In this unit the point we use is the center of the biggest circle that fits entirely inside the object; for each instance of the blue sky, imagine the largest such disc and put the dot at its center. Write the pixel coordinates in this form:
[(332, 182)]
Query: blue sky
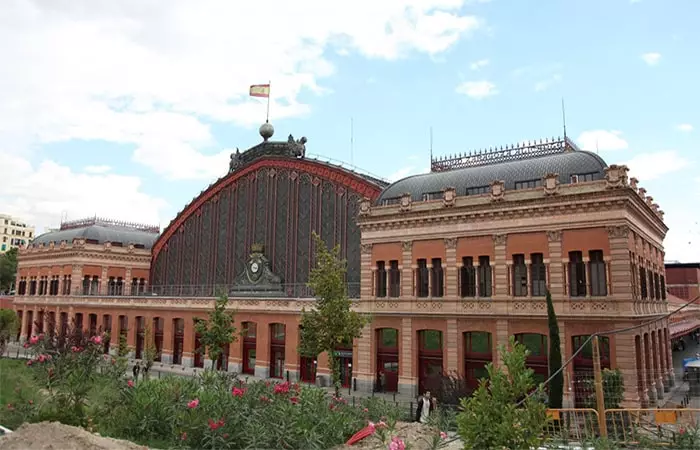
[(128, 109)]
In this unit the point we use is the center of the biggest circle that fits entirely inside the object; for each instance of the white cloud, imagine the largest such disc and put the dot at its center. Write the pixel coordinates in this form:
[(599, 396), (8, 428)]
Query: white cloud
[(404, 172), (97, 169), (651, 58), (41, 195), (131, 72), (602, 140), (650, 166), (477, 89), (684, 127), (547, 83), (476, 65)]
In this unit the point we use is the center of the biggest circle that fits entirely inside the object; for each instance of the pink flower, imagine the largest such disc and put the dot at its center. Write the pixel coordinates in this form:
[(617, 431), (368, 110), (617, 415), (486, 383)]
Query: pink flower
[(225, 436), (282, 388), (130, 383), (75, 349), (238, 392), (294, 400), (193, 404), (265, 399), (397, 444), (382, 424), (31, 402), (443, 435), (213, 425), (33, 340), (41, 335), (26, 345), (97, 339), (184, 436), (9, 406), (371, 425), (29, 363), (42, 358)]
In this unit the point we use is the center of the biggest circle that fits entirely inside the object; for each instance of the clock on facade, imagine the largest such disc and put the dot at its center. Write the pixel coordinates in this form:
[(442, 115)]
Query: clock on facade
[(254, 267)]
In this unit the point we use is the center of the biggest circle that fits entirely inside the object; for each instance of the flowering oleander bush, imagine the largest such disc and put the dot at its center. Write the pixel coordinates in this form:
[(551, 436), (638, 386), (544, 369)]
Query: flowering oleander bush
[(216, 412)]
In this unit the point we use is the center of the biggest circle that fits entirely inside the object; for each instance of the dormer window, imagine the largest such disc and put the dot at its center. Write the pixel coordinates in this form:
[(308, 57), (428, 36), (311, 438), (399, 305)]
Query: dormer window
[(428, 196), (529, 184), (479, 190), (582, 177), (391, 201)]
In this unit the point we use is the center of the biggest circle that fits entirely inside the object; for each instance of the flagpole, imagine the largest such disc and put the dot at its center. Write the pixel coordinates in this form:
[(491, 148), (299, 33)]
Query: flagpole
[(269, 91)]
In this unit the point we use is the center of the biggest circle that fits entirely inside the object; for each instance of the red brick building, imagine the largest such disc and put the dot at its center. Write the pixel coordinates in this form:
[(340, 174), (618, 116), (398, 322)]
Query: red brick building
[(449, 264)]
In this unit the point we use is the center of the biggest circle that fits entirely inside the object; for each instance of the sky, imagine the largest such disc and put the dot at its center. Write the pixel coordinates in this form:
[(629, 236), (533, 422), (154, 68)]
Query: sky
[(128, 109)]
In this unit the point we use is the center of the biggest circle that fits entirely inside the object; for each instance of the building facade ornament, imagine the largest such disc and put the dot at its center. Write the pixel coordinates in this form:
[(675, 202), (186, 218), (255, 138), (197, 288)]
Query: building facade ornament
[(500, 239), (642, 193), (449, 195), (551, 184), (554, 235), (406, 202), (407, 246), (366, 249), (451, 243), (633, 183), (498, 190), (618, 231), (616, 176), (365, 206)]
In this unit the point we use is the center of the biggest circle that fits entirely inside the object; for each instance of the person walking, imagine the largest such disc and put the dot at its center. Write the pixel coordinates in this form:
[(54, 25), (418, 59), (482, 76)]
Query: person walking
[(425, 407), (135, 371)]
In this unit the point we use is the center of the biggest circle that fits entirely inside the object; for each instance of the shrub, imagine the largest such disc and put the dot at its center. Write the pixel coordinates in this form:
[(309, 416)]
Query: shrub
[(496, 416)]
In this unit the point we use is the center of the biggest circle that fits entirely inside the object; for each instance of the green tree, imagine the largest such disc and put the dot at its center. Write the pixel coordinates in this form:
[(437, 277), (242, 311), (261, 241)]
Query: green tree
[(216, 332), (8, 269), (123, 349), (556, 384), (9, 323), (496, 416), (150, 352), (331, 322)]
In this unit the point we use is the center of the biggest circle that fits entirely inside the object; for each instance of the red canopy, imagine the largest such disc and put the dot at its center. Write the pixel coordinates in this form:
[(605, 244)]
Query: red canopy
[(682, 328)]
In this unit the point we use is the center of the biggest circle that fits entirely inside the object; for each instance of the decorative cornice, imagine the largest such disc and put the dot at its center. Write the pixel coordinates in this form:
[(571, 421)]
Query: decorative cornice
[(451, 243), (618, 231), (500, 239), (366, 249), (407, 246)]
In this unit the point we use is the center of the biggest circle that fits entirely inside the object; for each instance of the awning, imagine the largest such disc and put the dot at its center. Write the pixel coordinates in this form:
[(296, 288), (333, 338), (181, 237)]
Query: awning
[(682, 328)]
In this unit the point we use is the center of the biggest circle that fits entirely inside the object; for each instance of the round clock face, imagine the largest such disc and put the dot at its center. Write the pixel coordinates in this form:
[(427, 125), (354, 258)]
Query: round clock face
[(254, 267)]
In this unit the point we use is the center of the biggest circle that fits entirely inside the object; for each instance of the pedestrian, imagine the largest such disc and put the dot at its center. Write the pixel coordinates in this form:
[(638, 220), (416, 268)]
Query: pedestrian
[(382, 381), (424, 408), (135, 371)]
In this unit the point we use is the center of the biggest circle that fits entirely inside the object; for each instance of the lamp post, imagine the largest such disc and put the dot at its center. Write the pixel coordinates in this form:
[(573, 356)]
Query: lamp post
[(349, 378)]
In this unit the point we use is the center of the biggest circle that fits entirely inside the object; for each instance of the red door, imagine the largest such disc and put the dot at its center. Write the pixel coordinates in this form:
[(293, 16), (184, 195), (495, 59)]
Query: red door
[(249, 356), (389, 363), (430, 369), (307, 368)]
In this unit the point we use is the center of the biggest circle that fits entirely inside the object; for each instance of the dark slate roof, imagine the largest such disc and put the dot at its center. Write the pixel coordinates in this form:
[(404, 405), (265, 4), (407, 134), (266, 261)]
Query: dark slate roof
[(571, 162), (100, 232)]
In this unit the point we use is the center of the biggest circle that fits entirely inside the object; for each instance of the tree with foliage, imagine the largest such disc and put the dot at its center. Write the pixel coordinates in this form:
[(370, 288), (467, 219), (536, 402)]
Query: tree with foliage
[(496, 416), (216, 332), (150, 352), (123, 349), (556, 384), (8, 269), (9, 323), (331, 322)]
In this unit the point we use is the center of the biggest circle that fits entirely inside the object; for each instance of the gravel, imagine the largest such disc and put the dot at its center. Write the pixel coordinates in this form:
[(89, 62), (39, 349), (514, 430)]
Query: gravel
[(56, 436)]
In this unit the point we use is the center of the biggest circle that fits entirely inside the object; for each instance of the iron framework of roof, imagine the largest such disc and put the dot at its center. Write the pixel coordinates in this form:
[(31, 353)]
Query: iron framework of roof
[(495, 155), (90, 221)]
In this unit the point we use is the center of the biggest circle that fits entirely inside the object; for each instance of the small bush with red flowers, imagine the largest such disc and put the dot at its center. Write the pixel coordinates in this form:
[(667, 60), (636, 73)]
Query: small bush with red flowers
[(68, 369), (217, 412)]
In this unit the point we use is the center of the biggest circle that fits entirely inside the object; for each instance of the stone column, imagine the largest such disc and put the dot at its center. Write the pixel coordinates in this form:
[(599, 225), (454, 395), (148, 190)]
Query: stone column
[(127, 282), (114, 336), (188, 342), (649, 370), (555, 270), (587, 271), (407, 379), (77, 279), (528, 266), (23, 326), (407, 269), (451, 271), (430, 280), (375, 281), (658, 373), (670, 375), (500, 269), (452, 344), (568, 401), (104, 282), (166, 356), (362, 368), (620, 276), (502, 336), (663, 358), (626, 362)]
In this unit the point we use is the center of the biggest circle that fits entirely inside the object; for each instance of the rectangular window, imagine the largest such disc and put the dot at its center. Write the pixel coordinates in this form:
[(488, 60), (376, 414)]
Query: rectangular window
[(663, 287), (391, 201), (650, 289), (380, 279), (394, 279), (484, 277), (438, 280), (657, 287), (599, 283), (577, 275), (529, 184), (422, 278), (643, 281), (519, 276), (479, 190), (428, 196), (538, 275), (468, 278)]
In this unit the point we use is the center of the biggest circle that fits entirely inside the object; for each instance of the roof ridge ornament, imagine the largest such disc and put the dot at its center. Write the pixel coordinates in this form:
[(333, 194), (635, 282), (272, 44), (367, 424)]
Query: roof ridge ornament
[(514, 152)]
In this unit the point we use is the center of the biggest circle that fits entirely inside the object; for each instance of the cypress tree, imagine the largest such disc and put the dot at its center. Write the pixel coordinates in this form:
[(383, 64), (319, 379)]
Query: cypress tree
[(556, 385)]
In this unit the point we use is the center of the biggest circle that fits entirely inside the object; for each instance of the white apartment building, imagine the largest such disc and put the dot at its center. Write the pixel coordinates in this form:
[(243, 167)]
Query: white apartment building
[(14, 233)]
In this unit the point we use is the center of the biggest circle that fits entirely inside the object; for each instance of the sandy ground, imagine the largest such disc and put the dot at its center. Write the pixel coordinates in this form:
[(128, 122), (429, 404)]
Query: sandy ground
[(418, 436), (56, 436)]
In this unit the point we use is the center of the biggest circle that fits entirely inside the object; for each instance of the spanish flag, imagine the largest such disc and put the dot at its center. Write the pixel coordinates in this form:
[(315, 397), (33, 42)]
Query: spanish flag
[(260, 90)]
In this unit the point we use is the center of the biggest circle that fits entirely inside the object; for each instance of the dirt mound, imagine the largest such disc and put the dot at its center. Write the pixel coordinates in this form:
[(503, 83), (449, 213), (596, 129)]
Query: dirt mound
[(415, 434), (56, 436)]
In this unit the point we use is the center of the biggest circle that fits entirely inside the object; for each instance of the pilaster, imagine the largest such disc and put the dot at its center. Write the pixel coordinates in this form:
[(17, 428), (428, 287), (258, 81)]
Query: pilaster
[(501, 340), (452, 344), (407, 269), (620, 274), (500, 266), (626, 362), (407, 380), (367, 284), (364, 360), (555, 269), (451, 275)]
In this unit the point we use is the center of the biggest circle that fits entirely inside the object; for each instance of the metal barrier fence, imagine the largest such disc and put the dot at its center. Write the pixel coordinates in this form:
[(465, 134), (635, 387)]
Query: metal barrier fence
[(634, 427)]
